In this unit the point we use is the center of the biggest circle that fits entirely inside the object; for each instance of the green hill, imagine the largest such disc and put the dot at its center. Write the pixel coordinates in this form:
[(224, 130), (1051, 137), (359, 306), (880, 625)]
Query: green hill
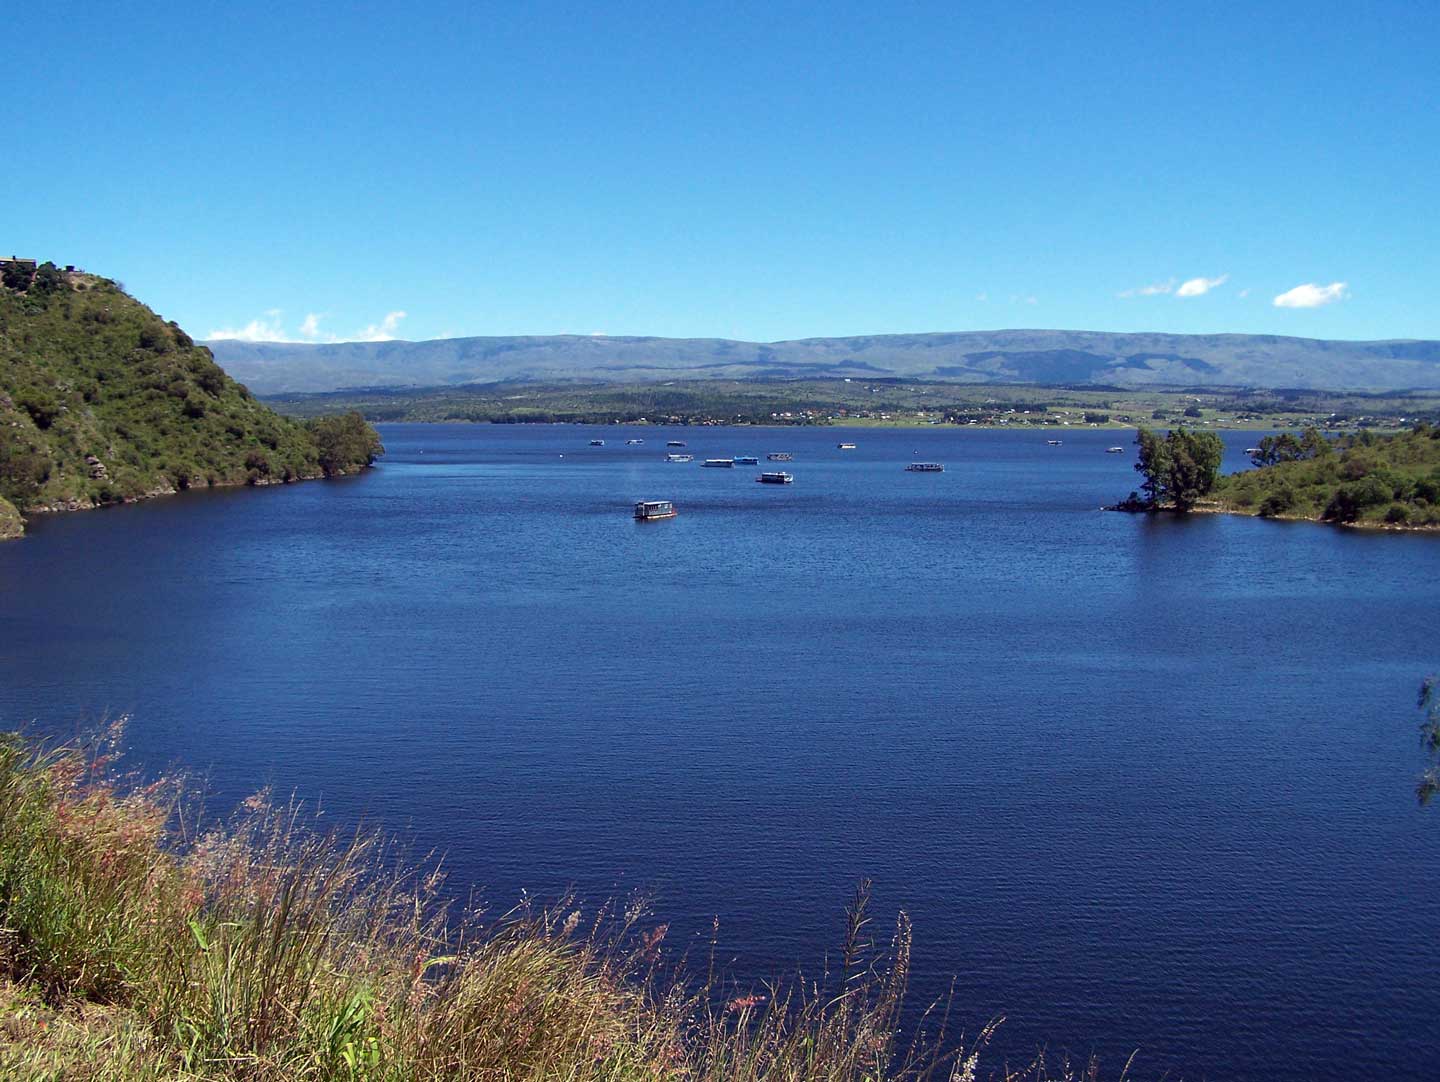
[(102, 401), (1362, 478)]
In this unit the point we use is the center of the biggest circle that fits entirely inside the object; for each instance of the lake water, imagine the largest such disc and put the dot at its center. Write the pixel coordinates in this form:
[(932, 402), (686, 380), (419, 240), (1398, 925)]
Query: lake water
[(1141, 783)]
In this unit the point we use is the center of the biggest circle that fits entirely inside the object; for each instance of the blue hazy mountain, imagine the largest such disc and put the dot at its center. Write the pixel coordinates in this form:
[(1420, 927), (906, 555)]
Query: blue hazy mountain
[(1008, 356)]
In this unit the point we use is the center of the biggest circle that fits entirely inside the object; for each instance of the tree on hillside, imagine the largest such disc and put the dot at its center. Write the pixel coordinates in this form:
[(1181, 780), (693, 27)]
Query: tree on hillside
[(1179, 469)]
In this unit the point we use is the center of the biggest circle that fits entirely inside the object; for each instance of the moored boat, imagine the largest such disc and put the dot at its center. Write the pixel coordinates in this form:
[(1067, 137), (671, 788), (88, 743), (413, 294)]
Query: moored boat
[(650, 510), (632, 443), (1114, 450), (597, 443), (777, 477), (846, 446), (1053, 443), (719, 463), (675, 443), (780, 456), (679, 458), (746, 460), (925, 467)]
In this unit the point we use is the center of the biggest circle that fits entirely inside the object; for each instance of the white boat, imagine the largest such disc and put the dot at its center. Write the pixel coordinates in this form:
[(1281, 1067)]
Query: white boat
[(597, 443), (650, 510), (675, 443), (1114, 450), (925, 467), (632, 443), (775, 478), (719, 463), (679, 458), (846, 446), (1053, 443), (780, 456)]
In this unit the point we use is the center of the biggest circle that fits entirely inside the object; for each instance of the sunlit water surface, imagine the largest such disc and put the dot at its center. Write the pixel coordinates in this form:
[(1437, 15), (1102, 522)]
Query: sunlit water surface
[(1141, 783)]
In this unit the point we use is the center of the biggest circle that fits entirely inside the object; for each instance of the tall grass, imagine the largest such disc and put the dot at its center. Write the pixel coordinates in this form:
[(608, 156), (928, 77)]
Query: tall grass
[(134, 947)]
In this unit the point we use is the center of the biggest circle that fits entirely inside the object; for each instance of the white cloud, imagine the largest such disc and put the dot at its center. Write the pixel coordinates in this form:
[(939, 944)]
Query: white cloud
[(271, 328), (1311, 295), (257, 330), (384, 331), (1198, 287), (1243, 293), (982, 297), (1016, 298), (1151, 290)]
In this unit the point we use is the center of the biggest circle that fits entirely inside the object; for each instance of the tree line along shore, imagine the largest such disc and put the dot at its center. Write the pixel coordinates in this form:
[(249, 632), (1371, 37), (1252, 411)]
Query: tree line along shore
[(1362, 479)]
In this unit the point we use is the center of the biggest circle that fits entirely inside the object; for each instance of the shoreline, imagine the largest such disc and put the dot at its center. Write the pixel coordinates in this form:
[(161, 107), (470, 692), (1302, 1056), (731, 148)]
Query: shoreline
[(1212, 509), (69, 506)]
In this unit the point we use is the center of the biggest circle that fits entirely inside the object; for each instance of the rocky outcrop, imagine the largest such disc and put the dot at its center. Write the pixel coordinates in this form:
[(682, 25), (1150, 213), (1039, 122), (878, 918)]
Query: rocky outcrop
[(11, 524)]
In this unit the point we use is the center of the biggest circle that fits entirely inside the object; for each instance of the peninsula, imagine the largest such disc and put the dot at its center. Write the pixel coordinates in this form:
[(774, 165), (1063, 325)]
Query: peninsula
[(102, 401)]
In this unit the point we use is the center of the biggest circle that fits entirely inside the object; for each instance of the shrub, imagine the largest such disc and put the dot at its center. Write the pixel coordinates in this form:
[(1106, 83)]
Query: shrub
[(1280, 502), (1397, 513)]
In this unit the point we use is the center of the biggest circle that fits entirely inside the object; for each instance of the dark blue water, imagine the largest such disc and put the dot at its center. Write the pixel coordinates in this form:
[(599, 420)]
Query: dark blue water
[(1141, 783)]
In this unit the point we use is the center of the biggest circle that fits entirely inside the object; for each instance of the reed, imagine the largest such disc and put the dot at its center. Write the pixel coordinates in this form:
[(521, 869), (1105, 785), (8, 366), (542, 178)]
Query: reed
[(134, 946)]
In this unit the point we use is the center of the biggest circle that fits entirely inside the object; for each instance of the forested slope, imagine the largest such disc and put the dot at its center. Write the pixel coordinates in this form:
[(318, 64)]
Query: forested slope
[(102, 401)]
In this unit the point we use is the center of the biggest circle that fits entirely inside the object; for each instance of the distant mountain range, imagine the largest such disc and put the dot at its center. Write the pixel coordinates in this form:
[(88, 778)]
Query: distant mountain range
[(1013, 356)]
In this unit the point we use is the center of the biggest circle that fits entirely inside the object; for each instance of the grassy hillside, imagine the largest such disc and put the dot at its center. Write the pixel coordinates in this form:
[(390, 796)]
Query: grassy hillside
[(102, 401), (132, 950), (1361, 478)]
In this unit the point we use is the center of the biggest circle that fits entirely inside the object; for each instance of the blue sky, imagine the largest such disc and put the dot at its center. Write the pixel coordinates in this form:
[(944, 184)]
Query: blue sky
[(760, 171)]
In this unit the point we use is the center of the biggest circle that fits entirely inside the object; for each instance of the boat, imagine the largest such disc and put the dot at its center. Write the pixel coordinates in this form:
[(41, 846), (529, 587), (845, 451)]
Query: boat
[(679, 458), (1114, 450), (925, 467), (775, 478), (746, 460), (1252, 450), (632, 443), (675, 443), (780, 456), (597, 443), (650, 510), (1053, 443), (846, 446), (719, 463)]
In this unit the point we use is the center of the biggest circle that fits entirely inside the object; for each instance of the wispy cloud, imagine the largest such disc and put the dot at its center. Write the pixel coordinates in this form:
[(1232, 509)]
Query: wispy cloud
[(1022, 298), (1198, 287), (257, 330), (384, 331), (1311, 295), (982, 297), (1243, 293), (1154, 289), (271, 328)]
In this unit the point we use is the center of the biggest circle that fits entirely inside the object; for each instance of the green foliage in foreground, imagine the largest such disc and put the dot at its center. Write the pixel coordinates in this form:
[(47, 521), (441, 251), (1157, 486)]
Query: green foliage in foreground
[(134, 950), (1361, 478), (103, 401)]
